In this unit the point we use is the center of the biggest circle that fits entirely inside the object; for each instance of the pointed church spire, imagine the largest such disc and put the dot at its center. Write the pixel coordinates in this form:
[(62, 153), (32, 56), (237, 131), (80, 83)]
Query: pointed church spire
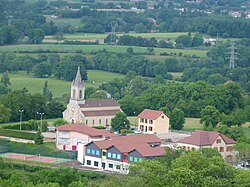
[(78, 79)]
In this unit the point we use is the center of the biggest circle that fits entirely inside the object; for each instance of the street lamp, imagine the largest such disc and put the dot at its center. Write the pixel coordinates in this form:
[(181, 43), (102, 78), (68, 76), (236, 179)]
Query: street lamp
[(21, 115), (41, 114)]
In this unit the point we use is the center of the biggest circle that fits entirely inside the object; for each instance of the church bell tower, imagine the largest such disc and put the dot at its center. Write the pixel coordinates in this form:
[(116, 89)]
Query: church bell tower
[(77, 89)]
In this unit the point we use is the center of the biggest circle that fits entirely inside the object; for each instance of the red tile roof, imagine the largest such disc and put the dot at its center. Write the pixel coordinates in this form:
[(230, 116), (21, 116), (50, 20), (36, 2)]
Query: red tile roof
[(85, 130), (99, 103), (126, 144), (205, 138), (100, 113), (150, 114)]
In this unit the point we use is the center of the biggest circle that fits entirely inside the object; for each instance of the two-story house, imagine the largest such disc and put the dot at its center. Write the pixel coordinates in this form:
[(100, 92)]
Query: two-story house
[(153, 122), (209, 139), (70, 135), (118, 153)]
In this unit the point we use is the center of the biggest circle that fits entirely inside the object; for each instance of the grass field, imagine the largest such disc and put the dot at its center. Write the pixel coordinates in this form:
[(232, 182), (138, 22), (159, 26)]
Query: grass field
[(58, 87), (91, 36), (94, 48)]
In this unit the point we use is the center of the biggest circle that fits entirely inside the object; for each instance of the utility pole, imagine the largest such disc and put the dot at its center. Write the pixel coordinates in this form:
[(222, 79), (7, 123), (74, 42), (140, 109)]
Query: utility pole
[(113, 25), (233, 56), (41, 125), (21, 115)]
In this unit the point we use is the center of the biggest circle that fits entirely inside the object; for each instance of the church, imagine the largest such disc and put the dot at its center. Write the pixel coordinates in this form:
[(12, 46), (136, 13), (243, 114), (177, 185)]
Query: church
[(89, 112)]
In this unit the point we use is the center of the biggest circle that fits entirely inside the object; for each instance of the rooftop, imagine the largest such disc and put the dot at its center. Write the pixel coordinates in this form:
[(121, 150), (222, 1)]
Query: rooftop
[(150, 114), (85, 130), (100, 103), (205, 138)]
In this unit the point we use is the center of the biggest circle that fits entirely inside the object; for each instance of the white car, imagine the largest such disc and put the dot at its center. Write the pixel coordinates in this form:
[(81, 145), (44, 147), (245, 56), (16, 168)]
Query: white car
[(137, 131)]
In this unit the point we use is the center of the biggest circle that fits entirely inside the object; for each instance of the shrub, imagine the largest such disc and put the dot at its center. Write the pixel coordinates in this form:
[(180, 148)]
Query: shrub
[(99, 127), (17, 134), (59, 121)]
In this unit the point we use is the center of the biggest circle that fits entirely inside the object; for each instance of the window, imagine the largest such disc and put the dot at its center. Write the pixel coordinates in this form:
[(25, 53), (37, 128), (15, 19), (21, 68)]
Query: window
[(151, 121), (110, 165), (162, 116), (97, 153), (221, 149), (100, 121), (106, 120), (88, 151), (140, 159), (218, 141), (109, 155), (104, 153), (229, 148), (86, 122), (146, 121), (136, 159), (92, 152), (95, 163), (80, 94), (114, 155), (142, 120), (118, 156), (150, 128), (88, 162), (118, 167), (131, 159), (93, 121)]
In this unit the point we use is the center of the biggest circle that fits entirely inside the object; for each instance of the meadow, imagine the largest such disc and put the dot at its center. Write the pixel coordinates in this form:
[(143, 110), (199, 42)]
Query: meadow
[(20, 80), (56, 48)]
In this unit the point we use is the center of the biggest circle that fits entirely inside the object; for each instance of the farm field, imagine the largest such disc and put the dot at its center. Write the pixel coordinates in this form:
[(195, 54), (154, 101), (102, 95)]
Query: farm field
[(93, 48), (20, 80), (91, 36)]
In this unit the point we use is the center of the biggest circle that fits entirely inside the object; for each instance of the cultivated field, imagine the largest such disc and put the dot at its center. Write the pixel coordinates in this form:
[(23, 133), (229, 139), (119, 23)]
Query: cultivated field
[(20, 80), (60, 48)]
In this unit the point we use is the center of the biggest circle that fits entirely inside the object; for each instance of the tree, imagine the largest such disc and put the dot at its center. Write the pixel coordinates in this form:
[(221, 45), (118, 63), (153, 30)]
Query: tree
[(130, 50), (46, 92), (119, 122), (210, 116), (42, 69), (5, 80), (177, 119), (243, 151), (36, 35), (4, 114), (39, 138), (55, 109), (59, 37), (140, 28), (184, 40)]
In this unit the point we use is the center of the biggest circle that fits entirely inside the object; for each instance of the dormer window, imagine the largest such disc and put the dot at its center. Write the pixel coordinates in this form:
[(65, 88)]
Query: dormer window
[(218, 141)]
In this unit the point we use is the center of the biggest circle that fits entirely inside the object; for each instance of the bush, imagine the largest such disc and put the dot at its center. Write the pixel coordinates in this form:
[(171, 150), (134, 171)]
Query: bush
[(99, 127), (17, 134), (30, 125), (59, 121)]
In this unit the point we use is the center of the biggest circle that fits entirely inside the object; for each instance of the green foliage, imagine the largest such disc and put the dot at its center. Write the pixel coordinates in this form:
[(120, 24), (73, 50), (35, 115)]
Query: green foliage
[(38, 138), (46, 92), (54, 109), (243, 151), (234, 132), (99, 127), (210, 116), (17, 134), (36, 35), (5, 80), (119, 122), (177, 119), (59, 122), (5, 114)]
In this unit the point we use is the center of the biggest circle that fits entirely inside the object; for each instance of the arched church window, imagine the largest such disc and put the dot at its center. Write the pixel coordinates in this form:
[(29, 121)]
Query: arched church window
[(72, 121), (80, 94), (74, 94)]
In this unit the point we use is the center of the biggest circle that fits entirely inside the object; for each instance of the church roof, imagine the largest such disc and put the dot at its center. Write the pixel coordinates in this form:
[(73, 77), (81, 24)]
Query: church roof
[(78, 79), (99, 103), (100, 113)]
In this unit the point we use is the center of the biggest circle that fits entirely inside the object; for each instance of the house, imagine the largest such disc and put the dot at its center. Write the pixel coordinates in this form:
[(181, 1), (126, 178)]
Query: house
[(70, 135), (89, 112), (118, 153), (153, 122), (208, 139)]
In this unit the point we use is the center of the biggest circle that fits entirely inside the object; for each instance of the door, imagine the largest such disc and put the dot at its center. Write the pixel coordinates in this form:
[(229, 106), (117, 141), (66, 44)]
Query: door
[(64, 147), (73, 147), (103, 165), (146, 128)]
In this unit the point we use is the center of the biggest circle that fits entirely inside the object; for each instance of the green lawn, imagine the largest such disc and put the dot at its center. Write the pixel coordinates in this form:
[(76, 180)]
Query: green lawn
[(58, 87), (93, 48)]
